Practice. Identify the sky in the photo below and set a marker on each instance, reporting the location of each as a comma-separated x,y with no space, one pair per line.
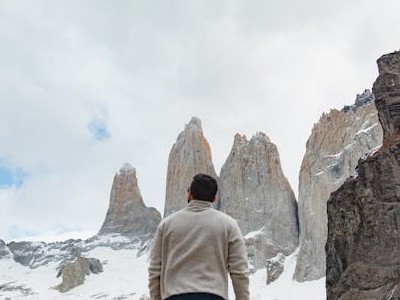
89,85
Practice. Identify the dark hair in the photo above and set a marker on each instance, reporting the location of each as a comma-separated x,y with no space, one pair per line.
203,187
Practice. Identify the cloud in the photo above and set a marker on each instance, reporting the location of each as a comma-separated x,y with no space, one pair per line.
87,86
16,231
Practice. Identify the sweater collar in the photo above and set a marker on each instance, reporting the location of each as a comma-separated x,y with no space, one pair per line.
199,203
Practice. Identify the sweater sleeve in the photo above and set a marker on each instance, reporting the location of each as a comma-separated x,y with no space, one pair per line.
155,267
237,264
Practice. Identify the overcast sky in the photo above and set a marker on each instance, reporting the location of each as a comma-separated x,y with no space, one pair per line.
88,85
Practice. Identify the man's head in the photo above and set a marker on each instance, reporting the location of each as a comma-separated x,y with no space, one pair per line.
203,187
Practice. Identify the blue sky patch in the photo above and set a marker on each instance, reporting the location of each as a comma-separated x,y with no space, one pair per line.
11,177
98,129
16,232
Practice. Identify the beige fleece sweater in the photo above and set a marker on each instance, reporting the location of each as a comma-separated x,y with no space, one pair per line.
194,250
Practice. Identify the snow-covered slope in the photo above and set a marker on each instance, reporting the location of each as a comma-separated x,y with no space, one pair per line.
125,277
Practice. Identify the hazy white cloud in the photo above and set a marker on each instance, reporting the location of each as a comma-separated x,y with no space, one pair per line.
89,85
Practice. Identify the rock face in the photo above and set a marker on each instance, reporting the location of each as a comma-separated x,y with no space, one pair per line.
3,249
275,268
255,192
27,253
127,215
38,254
336,143
387,93
363,243
190,155
73,274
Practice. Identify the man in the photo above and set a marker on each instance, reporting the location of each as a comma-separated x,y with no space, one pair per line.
195,248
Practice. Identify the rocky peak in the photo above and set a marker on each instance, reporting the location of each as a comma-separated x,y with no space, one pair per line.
125,187
255,192
363,243
127,169
337,142
194,124
387,92
127,213
239,140
190,155
365,98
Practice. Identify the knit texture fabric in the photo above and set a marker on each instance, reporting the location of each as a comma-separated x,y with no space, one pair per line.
194,250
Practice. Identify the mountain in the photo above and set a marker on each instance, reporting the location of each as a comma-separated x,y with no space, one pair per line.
190,155
129,226
106,268
127,214
111,265
363,243
255,192
336,144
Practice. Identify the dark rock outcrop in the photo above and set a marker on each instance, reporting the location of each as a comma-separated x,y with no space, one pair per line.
363,243
127,214
14,288
26,253
336,143
190,155
387,92
255,192
361,99
3,249
73,274
275,267
38,254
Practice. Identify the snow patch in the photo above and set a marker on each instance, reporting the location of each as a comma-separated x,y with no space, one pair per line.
125,276
366,130
285,288
126,168
253,234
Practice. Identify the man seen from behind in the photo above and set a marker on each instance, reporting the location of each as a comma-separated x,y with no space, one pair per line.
196,248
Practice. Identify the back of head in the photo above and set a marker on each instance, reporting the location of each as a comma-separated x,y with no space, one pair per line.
204,187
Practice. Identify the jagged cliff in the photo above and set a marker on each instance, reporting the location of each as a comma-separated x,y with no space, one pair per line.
336,143
255,192
191,154
127,214
363,243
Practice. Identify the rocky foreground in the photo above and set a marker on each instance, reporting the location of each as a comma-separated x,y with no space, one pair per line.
363,245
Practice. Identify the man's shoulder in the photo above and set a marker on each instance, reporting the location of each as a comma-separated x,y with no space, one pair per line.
178,215
224,216
172,216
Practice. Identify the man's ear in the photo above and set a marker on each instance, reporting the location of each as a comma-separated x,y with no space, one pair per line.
214,199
